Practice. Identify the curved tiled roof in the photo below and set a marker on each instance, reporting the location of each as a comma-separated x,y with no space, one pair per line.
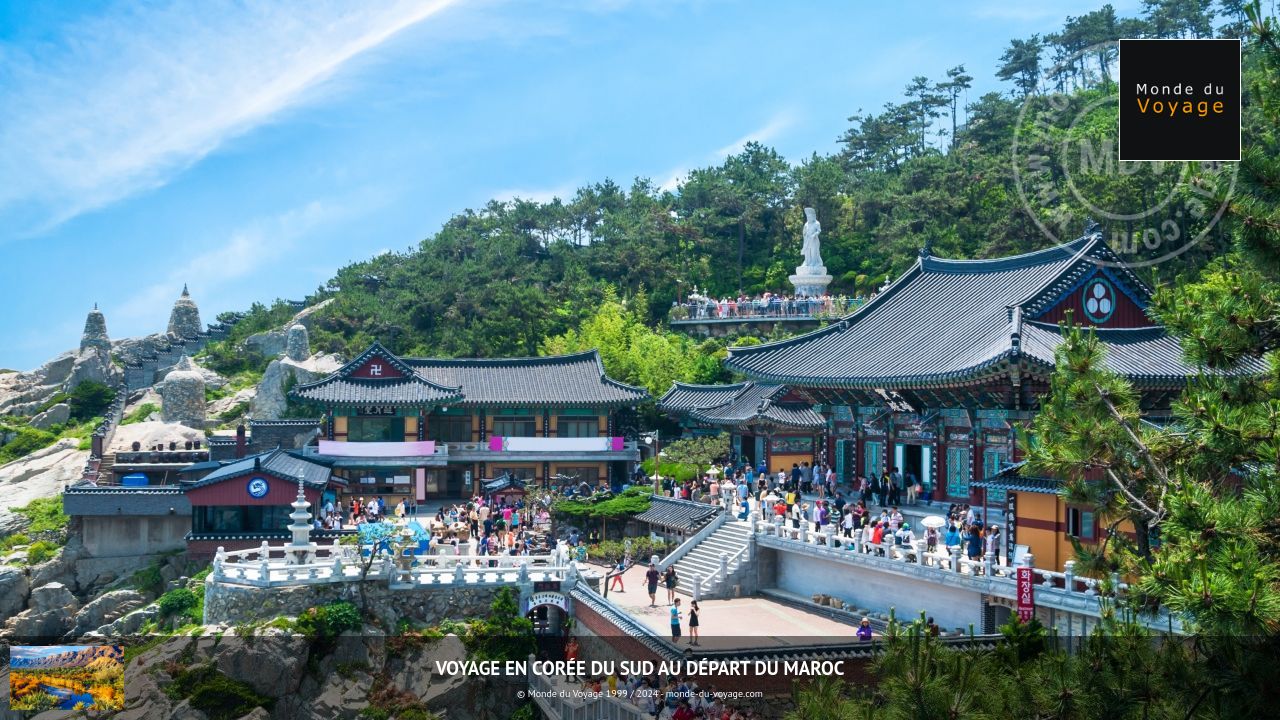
404,391
955,321
673,513
755,405
683,397
280,463
555,380
341,388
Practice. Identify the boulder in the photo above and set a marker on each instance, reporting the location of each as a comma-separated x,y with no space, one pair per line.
57,415
13,591
30,625
270,343
151,433
93,363
129,624
270,401
273,664
107,608
53,596
226,404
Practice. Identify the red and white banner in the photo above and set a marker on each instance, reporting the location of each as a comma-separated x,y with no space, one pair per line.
1026,595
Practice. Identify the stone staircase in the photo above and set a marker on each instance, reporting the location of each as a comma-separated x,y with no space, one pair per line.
108,462
704,560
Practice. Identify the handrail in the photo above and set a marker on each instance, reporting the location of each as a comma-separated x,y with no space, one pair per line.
717,521
947,562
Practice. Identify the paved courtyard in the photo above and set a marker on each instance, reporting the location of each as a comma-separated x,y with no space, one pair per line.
734,623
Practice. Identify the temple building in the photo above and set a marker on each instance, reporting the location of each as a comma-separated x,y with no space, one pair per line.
239,504
766,423
940,374
418,428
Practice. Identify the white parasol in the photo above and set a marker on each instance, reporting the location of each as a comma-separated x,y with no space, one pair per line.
934,521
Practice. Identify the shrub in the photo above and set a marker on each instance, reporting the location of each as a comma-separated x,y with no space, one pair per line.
26,441
328,621
13,541
41,551
90,398
177,601
215,694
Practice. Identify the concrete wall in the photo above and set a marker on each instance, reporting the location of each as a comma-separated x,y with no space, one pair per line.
430,605
806,576
108,537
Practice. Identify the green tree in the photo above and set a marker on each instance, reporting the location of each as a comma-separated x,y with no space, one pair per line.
1021,64
698,452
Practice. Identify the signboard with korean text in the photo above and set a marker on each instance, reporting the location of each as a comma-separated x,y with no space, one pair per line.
1026,595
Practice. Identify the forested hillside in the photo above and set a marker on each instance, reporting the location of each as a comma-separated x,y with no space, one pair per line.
931,170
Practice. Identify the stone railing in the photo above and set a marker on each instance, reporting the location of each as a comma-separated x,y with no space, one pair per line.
728,565
1061,590
289,565
692,541
562,701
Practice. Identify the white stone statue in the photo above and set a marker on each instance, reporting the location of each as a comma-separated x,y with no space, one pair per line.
811,278
812,245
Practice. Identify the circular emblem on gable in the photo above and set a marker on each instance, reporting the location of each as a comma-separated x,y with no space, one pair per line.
1099,300
258,487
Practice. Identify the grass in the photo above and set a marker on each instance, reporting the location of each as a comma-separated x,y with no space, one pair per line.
41,551
140,413
14,540
44,514
216,695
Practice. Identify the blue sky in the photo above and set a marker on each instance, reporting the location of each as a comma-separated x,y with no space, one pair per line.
252,149
28,652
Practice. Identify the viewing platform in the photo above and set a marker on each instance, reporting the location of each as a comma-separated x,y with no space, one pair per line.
709,317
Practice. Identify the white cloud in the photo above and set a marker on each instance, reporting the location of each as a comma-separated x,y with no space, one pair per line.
564,191
246,251
771,129
129,99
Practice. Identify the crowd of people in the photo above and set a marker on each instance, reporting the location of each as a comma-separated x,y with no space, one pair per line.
748,492
766,305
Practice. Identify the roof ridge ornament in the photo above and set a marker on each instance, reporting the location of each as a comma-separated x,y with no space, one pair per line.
1091,227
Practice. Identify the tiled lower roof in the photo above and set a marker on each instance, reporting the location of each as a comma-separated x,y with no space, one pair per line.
114,501
673,513
1011,478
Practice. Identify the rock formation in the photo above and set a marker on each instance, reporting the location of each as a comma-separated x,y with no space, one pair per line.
183,395
23,393
57,415
271,401
297,345
95,332
184,319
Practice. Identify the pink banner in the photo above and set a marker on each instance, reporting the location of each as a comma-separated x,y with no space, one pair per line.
495,444
377,449
562,445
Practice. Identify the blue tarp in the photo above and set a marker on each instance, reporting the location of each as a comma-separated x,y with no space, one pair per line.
134,480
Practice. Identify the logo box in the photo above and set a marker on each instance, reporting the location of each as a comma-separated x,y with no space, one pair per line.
1180,100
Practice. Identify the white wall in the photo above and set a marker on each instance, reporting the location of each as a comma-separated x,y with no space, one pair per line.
866,588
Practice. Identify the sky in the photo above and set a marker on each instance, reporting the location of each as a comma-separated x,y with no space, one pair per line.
251,149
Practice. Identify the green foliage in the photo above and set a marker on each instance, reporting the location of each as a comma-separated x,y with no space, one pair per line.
216,695
504,634
43,514
148,579
629,502
635,354
11,541
328,621
697,454
176,601
41,551
26,441
641,549
89,399
140,413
